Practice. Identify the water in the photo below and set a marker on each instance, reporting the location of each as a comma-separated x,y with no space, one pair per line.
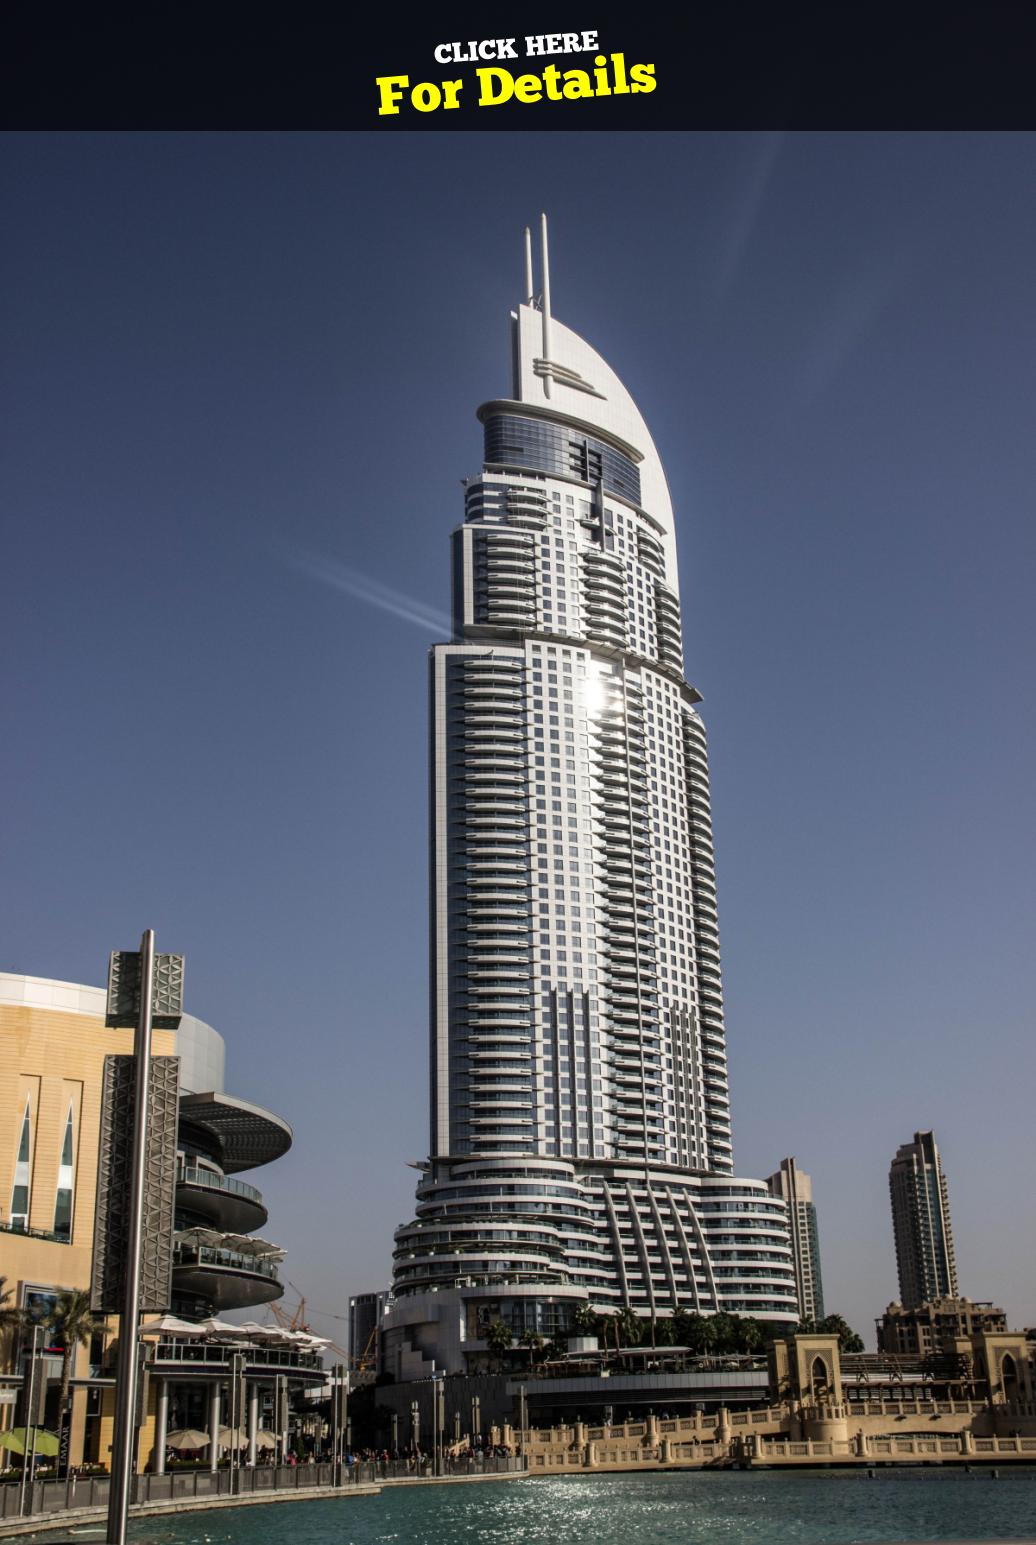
717,1508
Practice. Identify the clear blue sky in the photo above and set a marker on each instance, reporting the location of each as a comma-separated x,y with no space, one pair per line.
239,385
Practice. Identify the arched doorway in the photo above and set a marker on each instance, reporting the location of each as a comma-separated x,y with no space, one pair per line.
819,1381
1009,1378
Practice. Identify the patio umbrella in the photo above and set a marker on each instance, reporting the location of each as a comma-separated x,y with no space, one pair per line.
170,1325
20,1442
265,1439
230,1439
187,1438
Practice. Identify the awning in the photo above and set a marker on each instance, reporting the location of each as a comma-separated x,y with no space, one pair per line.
245,1135
240,1244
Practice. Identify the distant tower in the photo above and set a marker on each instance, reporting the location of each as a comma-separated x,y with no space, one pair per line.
796,1188
921,1223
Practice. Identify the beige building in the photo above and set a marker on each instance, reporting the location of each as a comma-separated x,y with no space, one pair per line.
53,1042
795,1187
935,1326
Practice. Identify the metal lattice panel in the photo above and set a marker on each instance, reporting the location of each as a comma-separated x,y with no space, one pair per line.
114,1167
124,990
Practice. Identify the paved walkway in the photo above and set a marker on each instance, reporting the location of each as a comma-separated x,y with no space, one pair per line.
47,1523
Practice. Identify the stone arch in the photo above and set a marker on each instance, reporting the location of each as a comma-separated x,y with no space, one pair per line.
1009,1378
819,1379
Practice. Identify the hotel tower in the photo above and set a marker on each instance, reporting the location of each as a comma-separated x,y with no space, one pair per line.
580,1146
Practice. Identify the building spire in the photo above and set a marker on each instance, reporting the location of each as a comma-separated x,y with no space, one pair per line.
545,307
528,296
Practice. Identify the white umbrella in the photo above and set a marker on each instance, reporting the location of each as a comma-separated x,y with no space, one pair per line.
265,1439
221,1328
169,1325
187,1438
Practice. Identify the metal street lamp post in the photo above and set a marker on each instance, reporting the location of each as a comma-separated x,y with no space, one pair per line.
29,1451
126,1374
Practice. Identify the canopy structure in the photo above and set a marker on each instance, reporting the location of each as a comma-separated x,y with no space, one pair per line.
240,1244
245,1135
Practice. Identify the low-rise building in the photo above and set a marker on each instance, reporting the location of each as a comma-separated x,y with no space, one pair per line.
935,1327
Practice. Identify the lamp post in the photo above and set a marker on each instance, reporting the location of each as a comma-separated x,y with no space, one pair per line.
476,1420
29,1452
237,1411
338,1400
126,1374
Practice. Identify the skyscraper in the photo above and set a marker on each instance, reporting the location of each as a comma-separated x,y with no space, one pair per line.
796,1187
580,1143
921,1223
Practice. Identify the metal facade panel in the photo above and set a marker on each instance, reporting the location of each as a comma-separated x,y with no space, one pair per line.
124,990
111,1228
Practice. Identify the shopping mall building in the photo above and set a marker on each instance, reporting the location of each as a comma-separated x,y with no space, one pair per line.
54,1041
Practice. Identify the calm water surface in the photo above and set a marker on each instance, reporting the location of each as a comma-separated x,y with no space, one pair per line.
742,1508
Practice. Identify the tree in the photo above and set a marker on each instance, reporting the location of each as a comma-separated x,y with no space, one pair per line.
750,1336
10,1317
498,1339
630,1327
664,1332
71,1321
535,1343
834,1325
696,1333
725,1331
585,1321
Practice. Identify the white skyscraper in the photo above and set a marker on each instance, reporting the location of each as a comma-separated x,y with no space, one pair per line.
580,1127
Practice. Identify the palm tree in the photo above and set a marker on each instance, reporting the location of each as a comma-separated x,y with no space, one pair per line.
534,1341
584,1320
630,1325
498,1339
71,1319
10,1317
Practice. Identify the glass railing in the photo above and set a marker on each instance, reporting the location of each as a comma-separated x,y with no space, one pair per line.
233,1260
172,1349
188,1175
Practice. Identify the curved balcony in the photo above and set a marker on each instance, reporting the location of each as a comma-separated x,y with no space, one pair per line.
228,1271
226,1203
239,1134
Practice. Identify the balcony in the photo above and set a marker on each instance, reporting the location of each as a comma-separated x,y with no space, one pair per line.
221,1200
230,1271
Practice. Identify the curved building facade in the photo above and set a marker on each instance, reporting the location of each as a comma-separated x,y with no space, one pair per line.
580,1142
54,1040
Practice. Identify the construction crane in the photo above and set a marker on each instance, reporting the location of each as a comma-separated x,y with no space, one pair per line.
298,1321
